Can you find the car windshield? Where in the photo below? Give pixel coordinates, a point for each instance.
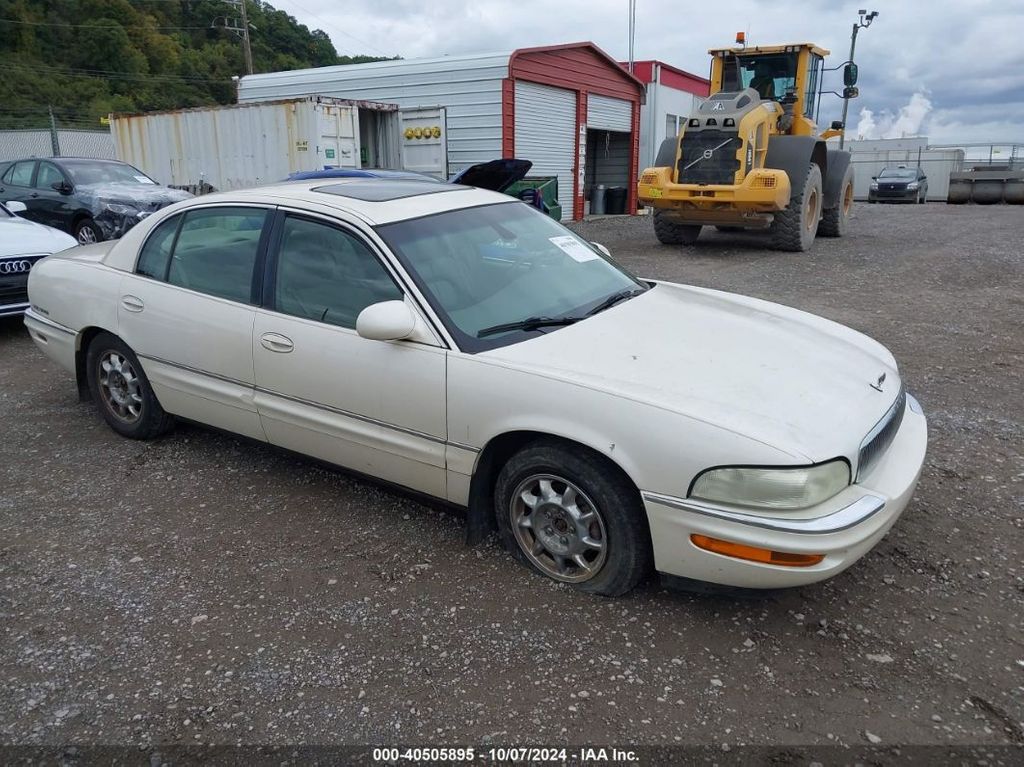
(104, 172)
(502, 265)
(772, 75)
(902, 174)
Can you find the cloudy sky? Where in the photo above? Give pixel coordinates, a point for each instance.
(949, 69)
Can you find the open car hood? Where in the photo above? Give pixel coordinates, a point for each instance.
(496, 175)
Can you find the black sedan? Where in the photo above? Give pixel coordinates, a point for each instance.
(91, 199)
(899, 184)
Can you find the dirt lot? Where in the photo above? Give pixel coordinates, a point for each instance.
(206, 589)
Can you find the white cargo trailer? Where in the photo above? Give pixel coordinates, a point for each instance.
(243, 145)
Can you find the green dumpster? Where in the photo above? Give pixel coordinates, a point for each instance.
(540, 191)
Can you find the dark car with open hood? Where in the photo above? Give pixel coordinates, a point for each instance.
(89, 198)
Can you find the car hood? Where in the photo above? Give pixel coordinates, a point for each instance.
(142, 196)
(496, 175)
(21, 237)
(799, 383)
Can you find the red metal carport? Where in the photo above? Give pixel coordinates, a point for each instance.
(542, 79)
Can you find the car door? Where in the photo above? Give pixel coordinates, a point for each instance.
(16, 184)
(375, 407)
(51, 206)
(188, 309)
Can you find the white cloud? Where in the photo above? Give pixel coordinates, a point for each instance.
(909, 121)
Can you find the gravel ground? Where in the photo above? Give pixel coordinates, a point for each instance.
(207, 589)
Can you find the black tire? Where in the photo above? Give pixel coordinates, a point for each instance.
(795, 227)
(835, 221)
(87, 232)
(122, 390)
(620, 524)
(671, 232)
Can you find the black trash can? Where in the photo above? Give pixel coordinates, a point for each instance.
(615, 200)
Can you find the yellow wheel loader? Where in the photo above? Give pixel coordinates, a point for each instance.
(750, 155)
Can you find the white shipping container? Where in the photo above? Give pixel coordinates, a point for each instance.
(244, 145)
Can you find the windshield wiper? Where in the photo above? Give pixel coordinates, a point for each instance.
(615, 298)
(530, 323)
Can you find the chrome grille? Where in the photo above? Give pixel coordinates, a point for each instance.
(880, 437)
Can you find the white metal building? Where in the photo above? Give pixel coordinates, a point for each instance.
(540, 104)
(671, 94)
(870, 156)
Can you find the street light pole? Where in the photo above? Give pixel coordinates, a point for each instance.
(865, 22)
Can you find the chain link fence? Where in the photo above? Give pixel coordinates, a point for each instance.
(19, 143)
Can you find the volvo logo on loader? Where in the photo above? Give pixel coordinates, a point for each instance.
(719, 106)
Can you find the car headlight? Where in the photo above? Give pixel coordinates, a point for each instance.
(772, 488)
(120, 209)
(874, 187)
(912, 185)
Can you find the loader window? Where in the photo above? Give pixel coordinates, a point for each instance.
(811, 97)
(772, 75)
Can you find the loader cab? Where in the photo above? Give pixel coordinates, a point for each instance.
(776, 72)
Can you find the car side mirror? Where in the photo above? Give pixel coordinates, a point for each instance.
(386, 321)
(602, 249)
(61, 186)
(874, 178)
(16, 207)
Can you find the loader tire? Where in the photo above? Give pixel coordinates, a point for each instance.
(794, 227)
(835, 221)
(671, 232)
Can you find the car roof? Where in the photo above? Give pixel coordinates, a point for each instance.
(361, 201)
(374, 200)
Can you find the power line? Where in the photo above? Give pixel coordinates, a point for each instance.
(76, 72)
(92, 26)
(336, 27)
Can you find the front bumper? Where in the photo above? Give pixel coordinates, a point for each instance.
(843, 529)
(902, 195)
(761, 191)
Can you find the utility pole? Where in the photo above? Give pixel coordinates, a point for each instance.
(865, 22)
(54, 138)
(245, 37)
(240, 27)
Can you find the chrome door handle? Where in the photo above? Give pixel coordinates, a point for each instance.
(132, 303)
(276, 342)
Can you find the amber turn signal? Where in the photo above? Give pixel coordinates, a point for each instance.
(753, 553)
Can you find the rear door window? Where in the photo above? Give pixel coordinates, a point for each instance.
(20, 174)
(216, 251)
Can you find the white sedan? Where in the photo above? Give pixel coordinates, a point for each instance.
(22, 244)
(459, 343)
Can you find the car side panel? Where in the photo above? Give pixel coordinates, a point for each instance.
(196, 351)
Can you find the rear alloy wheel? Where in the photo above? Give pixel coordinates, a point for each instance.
(835, 221)
(670, 231)
(121, 390)
(87, 232)
(795, 227)
(573, 517)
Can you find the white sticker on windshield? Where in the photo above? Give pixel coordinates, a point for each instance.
(144, 180)
(573, 248)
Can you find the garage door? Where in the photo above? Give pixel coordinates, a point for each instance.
(546, 135)
(609, 114)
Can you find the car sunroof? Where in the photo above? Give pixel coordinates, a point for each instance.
(382, 190)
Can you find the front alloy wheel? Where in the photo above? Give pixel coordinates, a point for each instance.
(574, 516)
(558, 528)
